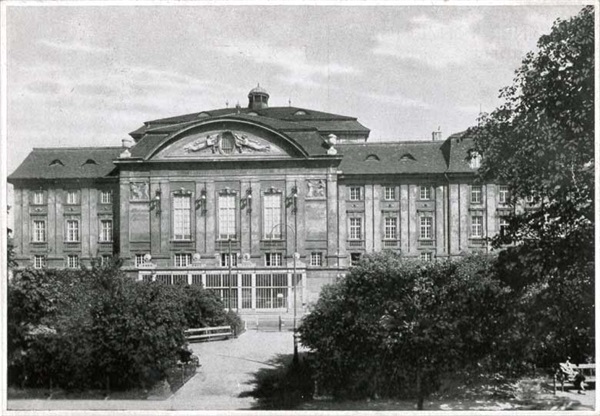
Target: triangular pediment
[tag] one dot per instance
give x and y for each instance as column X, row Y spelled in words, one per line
column 221, row 144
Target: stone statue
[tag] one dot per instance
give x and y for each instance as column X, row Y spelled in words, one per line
column 209, row 141
column 316, row 188
column 242, row 140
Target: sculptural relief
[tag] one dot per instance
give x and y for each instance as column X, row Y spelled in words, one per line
column 227, row 143
column 315, row 188
column 139, row 191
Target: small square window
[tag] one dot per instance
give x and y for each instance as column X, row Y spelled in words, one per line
column 39, row 261
column 273, row 259
column 503, row 194
column 426, row 256
column 425, row 193
column 105, row 260
column 140, row 260
column 529, row 199
column 72, row 197
column 72, row 261
column 316, row 258
column 476, row 194
column 389, row 193
column 38, row 197
column 225, row 258
column 105, row 197
column 354, row 258
column 182, row 259
column 355, row 193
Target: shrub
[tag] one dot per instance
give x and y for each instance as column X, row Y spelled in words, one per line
column 393, row 327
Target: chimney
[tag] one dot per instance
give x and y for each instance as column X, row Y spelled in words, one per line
column 127, row 143
column 436, row 135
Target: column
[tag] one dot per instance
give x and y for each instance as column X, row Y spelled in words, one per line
column 404, row 217
column 440, row 221
column 332, row 218
column 368, row 225
column 124, row 218
column 377, row 226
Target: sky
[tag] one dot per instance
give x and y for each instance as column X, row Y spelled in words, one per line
column 89, row 75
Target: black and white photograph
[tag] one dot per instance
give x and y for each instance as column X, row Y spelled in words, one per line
column 319, row 207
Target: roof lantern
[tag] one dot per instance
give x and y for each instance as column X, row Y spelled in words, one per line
column 258, row 98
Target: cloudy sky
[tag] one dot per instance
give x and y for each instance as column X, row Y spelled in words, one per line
column 86, row 76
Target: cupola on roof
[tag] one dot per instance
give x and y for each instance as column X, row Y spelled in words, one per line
column 258, row 98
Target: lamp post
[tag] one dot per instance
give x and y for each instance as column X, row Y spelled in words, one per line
column 229, row 280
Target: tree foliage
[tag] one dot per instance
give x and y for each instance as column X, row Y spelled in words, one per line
column 393, row 327
column 540, row 143
column 97, row 328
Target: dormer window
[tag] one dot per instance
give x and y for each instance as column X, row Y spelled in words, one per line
column 56, row 162
column 407, row 157
column 474, row 159
column 252, row 113
column 300, row 113
column 203, row 115
column 90, row 162
column 372, row 158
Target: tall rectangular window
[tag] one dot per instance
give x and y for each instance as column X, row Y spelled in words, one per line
column 272, row 227
column 476, row 193
column 182, row 259
column 226, row 258
column 355, row 193
column 105, row 197
column 227, row 217
column 72, row 197
column 355, row 228
column 39, row 261
column 389, row 193
column 105, row 260
column 39, row 231
column 72, row 261
column 316, row 258
column 390, row 226
column 502, row 225
column 503, row 194
column 72, row 230
column 106, row 230
column 38, row 197
column 426, row 225
column 424, row 193
column 477, row 226
column 182, row 213
column 273, row 259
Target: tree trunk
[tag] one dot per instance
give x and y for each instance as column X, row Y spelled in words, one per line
column 420, row 394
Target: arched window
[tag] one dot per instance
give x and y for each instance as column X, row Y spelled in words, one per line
column 372, row 158
column 90, row 162
column 474, row 159
column 300, row 113
column 406, row 157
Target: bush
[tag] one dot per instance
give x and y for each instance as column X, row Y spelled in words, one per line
column 393, row 327
column 97, row 328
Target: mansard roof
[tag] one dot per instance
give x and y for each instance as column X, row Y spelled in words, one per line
column 402, row 157
column 68, row 163
column 281, row 118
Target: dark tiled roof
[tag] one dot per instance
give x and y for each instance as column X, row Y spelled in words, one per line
column 69, row 163
column 146, row 144
column 460, row 146
column 392, row 158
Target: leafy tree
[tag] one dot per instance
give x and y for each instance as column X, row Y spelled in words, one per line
column 540, row 143
column 394, row 328
column 10, row 251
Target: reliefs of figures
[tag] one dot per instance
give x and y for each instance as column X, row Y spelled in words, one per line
column 315, row 188
column 139, row 191
column 227, row 143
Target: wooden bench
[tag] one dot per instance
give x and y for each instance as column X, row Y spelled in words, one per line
column 566, row 374
column 207, row 334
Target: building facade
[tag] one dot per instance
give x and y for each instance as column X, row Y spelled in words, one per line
column 259, row 204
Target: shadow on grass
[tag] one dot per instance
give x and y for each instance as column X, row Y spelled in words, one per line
column 282, row 386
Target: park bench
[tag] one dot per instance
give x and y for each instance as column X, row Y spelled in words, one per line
column 208, row 334
column 566, row 374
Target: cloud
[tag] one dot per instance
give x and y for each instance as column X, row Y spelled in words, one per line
column 73, row 46
column 293, row 60
column 436, row 43
column 398, row 100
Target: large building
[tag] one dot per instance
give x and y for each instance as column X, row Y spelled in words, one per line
column 237, row 199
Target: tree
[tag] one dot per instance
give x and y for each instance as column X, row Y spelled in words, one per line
column 394, row 328
column 540, row 143
column 10, row 251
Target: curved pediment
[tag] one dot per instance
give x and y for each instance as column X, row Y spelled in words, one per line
column 225, row 140
column 220, row 143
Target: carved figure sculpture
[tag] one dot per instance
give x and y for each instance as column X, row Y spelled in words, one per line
column 200, row 144
column 316, row 188
column 139, row 191
column 242, row 140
